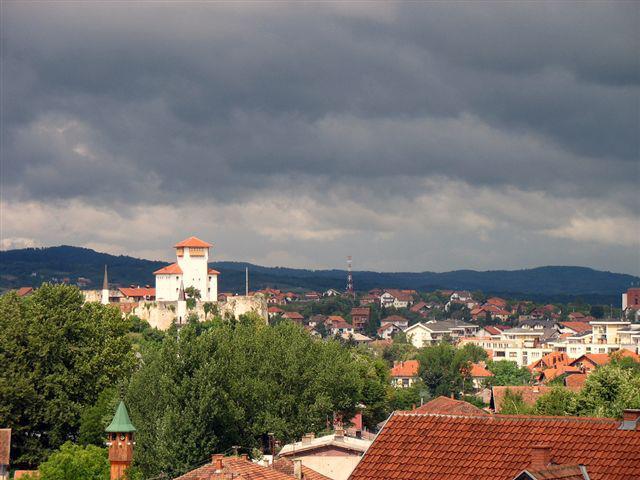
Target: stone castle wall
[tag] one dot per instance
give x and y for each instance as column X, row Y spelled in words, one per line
column 162, row 314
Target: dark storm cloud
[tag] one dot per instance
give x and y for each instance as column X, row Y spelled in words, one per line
column 143, row 104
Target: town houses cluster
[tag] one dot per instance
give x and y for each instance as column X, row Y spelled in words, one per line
column 558, row 346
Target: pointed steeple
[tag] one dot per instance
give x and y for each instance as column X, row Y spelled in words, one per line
column 105, row 282
column 121, row 422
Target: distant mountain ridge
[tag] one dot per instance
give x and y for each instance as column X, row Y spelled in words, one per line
column 32, row 266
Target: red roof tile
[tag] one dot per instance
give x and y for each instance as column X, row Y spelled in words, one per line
column 235, row 467
column 530, row 394
column 578, row 327
column 479, row 370
column 212, row 271
column 173, row 269
column 449, row 406
column 22, row 291
column 496, row 447
column 194, row 242
column 408, row 368
column 285, row 465
column 575, row 381
column 558, row 472
column 138, row 292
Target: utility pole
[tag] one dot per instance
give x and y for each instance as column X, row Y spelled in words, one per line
column 350, row 277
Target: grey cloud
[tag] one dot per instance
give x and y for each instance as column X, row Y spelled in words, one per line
column 129, row 105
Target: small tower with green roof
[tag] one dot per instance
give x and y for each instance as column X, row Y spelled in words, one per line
column 120, row 441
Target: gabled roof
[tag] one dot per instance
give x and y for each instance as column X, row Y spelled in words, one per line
column 496, row 447
column 575, row 381
column 173, row 269
column 479, row 370
column 530, row 394
column 597, row 359
column 239, row 468
column 22, row 291
column 194, row 242
column 138, row 292
column 408, row 368
column 361, row 311
column 449, row 406
column 285, row 465
column 394, row 318
column 121, row 422
column 549, row 374
column 556, row 472
column 5, row 445
column 387, row 326
column 293, row 315
column 578, row 327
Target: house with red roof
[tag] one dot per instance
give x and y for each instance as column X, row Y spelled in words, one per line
column 396, row 320
column 438, row 446
column 497, row 301
column 295, row 317
column 241, row 468
column 274, row 311
column 396, row 298
column 137, row 294
column 360, row 317
column 479, row 375
column 449, row 406
column 388, row 330
column 24, row 291
column 338, row 325
column 190, row 270
column 404, row 374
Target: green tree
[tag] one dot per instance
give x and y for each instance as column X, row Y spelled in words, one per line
column 513, row 404
column 408, row 398
column 57, row 355
column 192, row 292
column 445, row 370
column 238, row 380
column 608, row 391
column 508, row 373
column 597, row 311
column 559, row 401
column 73, row 462
column 96, row 417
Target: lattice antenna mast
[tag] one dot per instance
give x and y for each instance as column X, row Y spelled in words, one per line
column 349, row 276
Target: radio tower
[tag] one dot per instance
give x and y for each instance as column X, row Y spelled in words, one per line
column 349, row 277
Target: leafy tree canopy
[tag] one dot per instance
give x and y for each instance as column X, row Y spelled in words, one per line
column 506, row 372
column 57, row 355
column 73, row 462
column 233, row 382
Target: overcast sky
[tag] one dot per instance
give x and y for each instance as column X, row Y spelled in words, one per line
column 412, row 136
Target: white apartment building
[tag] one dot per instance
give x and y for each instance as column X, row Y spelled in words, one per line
column 191, row 270
column 606, row 336
column 516, row 349
column 428, row 333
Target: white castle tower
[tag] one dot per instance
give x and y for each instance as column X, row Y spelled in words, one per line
column 191, row 270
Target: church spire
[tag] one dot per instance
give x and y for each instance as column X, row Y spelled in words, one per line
column 105, row 282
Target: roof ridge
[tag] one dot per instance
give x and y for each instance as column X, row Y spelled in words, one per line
column 509, row 417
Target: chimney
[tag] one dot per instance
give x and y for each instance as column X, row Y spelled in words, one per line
column 307, row 437
column 540, row 456
column 216, row 459
column 630, row 419
column 339, row 433
column 297, row 468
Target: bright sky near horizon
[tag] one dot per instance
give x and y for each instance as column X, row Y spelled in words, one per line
column 412, row 136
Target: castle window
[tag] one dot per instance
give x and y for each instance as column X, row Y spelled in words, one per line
column 196, row 252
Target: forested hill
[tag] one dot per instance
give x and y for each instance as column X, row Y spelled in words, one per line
column 30, row 267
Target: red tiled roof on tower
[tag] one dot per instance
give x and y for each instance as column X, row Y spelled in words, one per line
column 173, row 269
column 498, row 447
column 194, row 242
